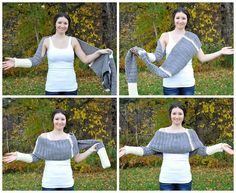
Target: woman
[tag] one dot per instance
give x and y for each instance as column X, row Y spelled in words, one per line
column 56, row 148
column 175, row 143
column 183, row 82
column 60, row 49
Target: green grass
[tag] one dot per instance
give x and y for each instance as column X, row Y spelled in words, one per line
column 218, row 82
column 105, row 180
column 144, row 178
column 15, row 85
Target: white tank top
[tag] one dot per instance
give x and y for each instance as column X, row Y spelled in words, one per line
column 61, row 75
column 185, row 77
column 175, row 169
column 57, row 174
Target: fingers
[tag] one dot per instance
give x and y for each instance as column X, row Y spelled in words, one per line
column 6, row 67
column 11, row 153
column 8, row 58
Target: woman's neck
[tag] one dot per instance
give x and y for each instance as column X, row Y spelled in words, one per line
column 176, row 128
column 179, row 31
column 57, row 132
column 59, row 35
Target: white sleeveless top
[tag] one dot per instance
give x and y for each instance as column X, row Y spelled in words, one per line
column 58, row 174
column 61, row 75
column 175, row 169
column 185, row 77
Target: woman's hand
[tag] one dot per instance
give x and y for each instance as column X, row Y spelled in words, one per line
column 8, row 63
column 10, row 157
column 93, row 149
column 227, row 51
column 122, row 152
column 227, row 148
column 134, row 51
column 105, row 51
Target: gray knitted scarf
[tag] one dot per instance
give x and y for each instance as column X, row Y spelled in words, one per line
column 104, row 66
column 180, row 55
column 176, row 143
column 61, row 149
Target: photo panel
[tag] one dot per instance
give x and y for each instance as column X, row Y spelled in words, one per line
column 59, row 144
column 176, row 144
column 182, row 48
column 79, row 41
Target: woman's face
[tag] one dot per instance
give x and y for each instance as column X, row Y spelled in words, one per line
column 177, row 116
column 62, row 25
column 59, row 121
column 180, row 20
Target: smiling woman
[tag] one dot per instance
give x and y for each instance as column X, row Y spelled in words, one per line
column 57, row 148
column 179, row 46
column 60, row 49
column 175, row 144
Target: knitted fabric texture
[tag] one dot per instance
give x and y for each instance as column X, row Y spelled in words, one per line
column 54, row 150
column 104, row 66
column 179, row 56
column 85, row 144
column 176, row 143
column 61, row 149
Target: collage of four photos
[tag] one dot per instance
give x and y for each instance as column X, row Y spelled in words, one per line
column 117, row 96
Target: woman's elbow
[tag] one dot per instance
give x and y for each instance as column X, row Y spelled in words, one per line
column 202, row 60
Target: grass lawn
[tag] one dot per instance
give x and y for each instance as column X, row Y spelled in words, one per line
column 145, row 178
column 105, row 180
column 218, row 82
column 36, row 85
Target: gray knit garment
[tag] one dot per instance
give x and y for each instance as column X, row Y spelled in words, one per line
column 179, row 56
column 85, row 144
column 103, row 66
column 176, row 143
column 61, row 149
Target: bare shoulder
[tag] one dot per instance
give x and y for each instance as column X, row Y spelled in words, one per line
column 164, row 36
column 46, row 42
column 44, row 135
column 74, row 40
column 163, row 129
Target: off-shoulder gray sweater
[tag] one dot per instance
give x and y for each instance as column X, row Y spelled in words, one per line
column 63, row 149
column 176, row 143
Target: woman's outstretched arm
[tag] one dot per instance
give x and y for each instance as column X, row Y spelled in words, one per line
column 208, row 57
column 17, row 156
column 82, row 156
column 27, row 62
column 87, row 58
column 219, row 148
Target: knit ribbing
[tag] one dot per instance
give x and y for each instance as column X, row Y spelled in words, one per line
column 180, row 55
column 54, row 149
column 177, row 143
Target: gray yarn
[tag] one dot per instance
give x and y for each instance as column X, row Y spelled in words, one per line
column 85, row 144
column 54, row 150
column 61, row 149
column 103, row 66
column 180, row 55
column 176, row 143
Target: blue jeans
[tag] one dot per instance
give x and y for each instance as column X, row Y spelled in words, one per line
column 61, row 93
column 58, row 189
column 179, row 91
column 167, row 186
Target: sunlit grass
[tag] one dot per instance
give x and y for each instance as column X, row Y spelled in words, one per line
column 146, row 178
column 217, row 82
